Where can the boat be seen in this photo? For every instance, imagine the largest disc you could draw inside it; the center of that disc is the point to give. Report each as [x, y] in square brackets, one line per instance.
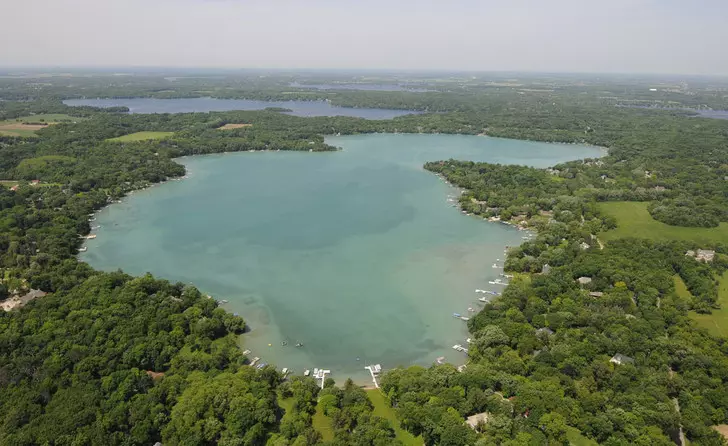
[480, 291]
[464, 318]
[495, 266]
[456, 315]
[223, 301]
[247, 352]
[285, 370]
[315, 372]
[84, 249]
[493, 293]
[307, 372]
[441, 360]
[497, 282]
[483, 299]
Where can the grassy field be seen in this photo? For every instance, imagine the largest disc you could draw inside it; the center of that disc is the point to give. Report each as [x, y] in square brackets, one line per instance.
[577, 439]
[50, 118]
[716, 322]
[141, 136]
[384, 410]
[633, 220]
[18, 126]
[322, 424]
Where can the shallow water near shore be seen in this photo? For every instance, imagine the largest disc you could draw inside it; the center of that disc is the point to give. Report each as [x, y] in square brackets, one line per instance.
[357, 254]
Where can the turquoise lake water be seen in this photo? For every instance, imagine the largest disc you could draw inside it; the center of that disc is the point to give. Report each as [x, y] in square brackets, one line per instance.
[189, 105]
[356, 254]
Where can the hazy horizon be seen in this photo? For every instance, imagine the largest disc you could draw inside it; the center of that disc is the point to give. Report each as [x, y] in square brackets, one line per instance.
[560, 36]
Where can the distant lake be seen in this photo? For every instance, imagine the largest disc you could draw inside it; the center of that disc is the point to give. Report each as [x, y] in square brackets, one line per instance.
[361, 87]
[358, 254]
[189, 105]
[713, 114]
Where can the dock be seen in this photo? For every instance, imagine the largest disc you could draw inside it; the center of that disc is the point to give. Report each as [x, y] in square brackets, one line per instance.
[321, 374]
[374, 370]
[460, 348]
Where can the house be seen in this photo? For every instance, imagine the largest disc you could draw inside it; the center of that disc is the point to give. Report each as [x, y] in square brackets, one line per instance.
[584, 280]
[545, 330]
[621, 359]
[584, 246]
[596, 294]
[14, 188]
[705, 255]
[474, 420]
[546, 269]
[660, 188]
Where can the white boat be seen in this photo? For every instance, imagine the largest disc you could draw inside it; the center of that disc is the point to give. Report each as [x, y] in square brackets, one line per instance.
[480, 291]
[307, 372]
[84, 249]
[483, 299]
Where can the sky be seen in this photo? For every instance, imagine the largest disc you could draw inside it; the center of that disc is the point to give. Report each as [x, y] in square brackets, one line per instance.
[603, 36]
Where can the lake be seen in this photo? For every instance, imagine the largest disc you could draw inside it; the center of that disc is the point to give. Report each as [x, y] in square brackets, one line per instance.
[190, 105]
[357, 254]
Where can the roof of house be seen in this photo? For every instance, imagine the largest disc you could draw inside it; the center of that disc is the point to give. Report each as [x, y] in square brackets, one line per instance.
[596, 294]
[621, 359]
[584, 280]
[546, 330]
[474, 420]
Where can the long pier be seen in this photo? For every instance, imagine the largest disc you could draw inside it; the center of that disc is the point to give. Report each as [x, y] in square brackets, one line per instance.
[374, 370]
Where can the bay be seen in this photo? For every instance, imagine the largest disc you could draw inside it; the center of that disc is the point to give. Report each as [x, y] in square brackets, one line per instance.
[357, 254]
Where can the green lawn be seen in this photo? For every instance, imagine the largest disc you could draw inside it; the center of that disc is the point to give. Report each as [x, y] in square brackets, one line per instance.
[717, 322]
[577, 439]
[18, 132]
[633, 220]
[322, 424]
[384, 410]
[49, 118]
[141, 136]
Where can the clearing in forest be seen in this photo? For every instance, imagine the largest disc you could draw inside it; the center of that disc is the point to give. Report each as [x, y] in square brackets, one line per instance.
[234, 126]
[717, 322]
[633, 220]
[141, 136]
[27, 125]
[384, 410]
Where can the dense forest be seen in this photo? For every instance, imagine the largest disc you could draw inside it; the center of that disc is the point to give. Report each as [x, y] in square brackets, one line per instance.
[106, 358]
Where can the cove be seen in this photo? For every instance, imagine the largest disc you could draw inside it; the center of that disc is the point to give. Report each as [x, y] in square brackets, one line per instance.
[358, 254]
[190, 105]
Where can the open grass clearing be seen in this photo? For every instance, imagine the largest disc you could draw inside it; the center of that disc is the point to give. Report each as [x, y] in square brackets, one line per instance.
[27, 125]
[384, 410]
[141, 136]
[577, 439]
[633, 220]
[322, 424]
[234, 126]
[49, 118]
[716, 322]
